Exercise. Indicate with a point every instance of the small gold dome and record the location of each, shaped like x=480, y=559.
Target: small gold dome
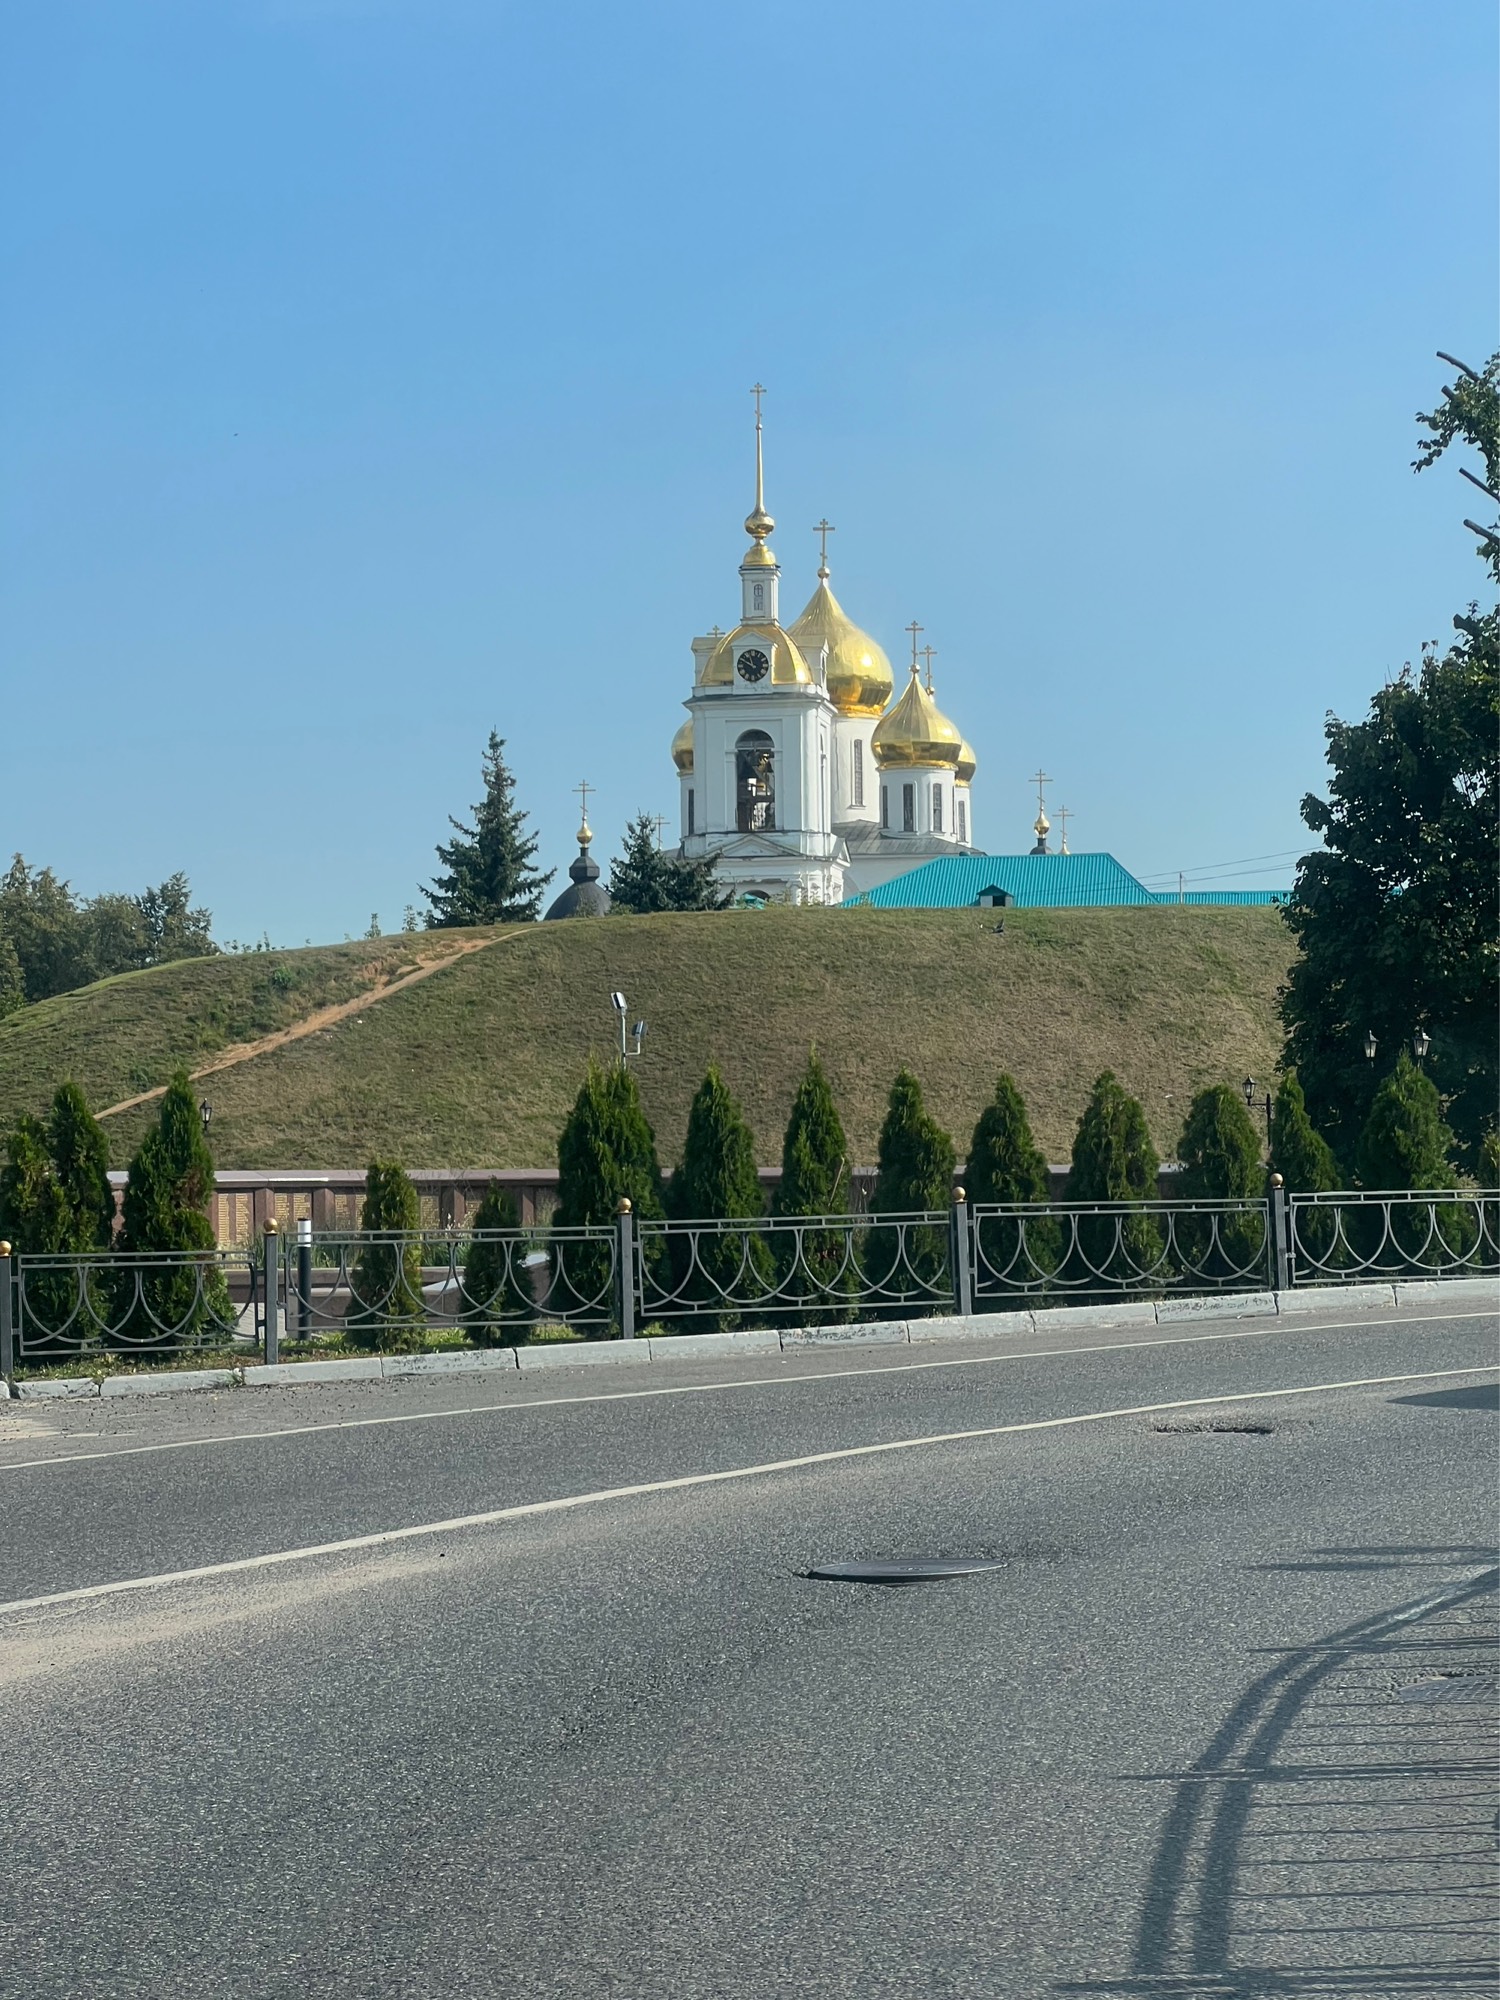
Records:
x=916, y=733
x=682, y=748
x=967, y=763
x=758, y=556
x=859, y=674
x=788, y=668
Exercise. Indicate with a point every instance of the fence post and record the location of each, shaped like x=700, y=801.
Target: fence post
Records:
x=625, y=1281
x=1280, y=1245
x=304, y=1279
x=963, y=1272
x=273, y=1286
x=7, y=1324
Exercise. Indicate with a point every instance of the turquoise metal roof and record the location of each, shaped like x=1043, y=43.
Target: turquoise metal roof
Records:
x=1033, y=882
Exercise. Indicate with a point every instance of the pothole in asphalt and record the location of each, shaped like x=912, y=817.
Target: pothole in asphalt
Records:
x=1453, y=1684
x=1214, y=1426
x=915, y=1570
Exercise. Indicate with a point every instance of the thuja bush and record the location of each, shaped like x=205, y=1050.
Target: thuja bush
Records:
x=498, y=1301
x=1407, y=1147
x=387, y=1306
x=1220, y=1157
x=815, y=1267
x=168, y=1187
x=717, y=1181
x=914, y=1172
x=606, y=1153
x=1113, y=1161
x=1006, y=1165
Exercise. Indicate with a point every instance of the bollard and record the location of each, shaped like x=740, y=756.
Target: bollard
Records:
x=7, y=1323
x=304, y=1278
x=963, y=1267
x=273, y=1281
x=1280, y=1245
x=625, y=1284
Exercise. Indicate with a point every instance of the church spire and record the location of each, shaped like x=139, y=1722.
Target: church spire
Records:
x=758, y=523
x=760, y=573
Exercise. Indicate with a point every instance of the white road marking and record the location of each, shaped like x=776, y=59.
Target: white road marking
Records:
x=705, y=1388
x=388, y=1536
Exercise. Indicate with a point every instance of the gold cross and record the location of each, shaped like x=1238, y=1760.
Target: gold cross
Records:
x=929, y=654
x=757, y=392
x=583, y=791
x=1063, y=816
x=1039, y=780
x=823, y=530
x=914, y=628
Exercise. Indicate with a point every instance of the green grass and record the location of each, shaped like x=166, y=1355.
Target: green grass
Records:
x=477, y=1066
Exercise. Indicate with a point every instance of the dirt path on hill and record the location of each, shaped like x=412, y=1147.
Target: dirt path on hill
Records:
x=321, y=1017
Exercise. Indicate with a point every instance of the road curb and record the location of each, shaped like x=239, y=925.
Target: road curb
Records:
x=697, y=1348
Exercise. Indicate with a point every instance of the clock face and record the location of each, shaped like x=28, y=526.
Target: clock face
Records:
x=753, y=666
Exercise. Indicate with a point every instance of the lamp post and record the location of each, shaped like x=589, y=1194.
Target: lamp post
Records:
x=1248, y=1086
x=1421, y=1042
x=637, y=1031
x=1371, y=1045
x=205, y=1112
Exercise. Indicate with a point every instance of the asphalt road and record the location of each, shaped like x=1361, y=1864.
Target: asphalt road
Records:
x=1221, y=1722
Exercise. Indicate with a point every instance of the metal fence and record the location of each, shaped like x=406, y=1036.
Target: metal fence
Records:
x=354, y=1289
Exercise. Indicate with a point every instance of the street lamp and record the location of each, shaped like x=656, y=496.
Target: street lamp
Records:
x=1370, y=1045
x=205, y=1111
x=1421, y=1042
x=1248, y=1086
x=637, y=1029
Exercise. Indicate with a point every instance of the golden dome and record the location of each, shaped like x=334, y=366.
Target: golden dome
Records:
x=682, y=748
x=859, y=674
x=967, y=763
x=916, y=733
x=788, y=668
x=758, y=556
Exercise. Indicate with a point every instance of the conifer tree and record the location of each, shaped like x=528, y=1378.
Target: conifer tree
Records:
x=1005, y=1164
x=168, y=1187
x=1113, y=1160
x=32, y=1211
x=1405, y=1143
x=606, y=1153
x=644, y=878
x=1301, y=1156
x=490, y=878
x=80, y=1160
x=12, y=979
x=717, y=1181
x=388, y=1273
x=498, y=1303
x=915, y=1162
x=815, y=1264
x=1220, y=1160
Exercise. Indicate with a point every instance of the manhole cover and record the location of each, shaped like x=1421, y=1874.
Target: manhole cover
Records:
x=919, y=1570
x=1215, y=1427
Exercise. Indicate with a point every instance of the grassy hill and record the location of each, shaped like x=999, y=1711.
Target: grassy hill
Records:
x=476, y=1065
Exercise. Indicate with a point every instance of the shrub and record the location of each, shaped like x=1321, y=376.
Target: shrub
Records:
x=606, y=1153
x=387, y=1276
x=915, y=1164
x=815, y=1265
x=717, y=1181
x=1301, y=1156
x=1406, y=1146
x=497, y=1298
x=1006, y=1165
x=1113, y=1160
x=1220, y=1157
x=167, y=1191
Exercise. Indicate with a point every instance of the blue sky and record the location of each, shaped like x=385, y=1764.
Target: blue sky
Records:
x=377, y=374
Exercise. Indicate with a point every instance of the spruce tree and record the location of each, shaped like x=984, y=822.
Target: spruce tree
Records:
x=498, y=1303
x=815, y=1265
x=717, y=1181
x=1219, y=1155
x=644, y=878
x=1301, y=1156
x=606, y=1153
x=387, y=1304
x=168, y=1187
x=1113, y=1160
x=1006, y=1165
x=914, y=1162
x=490, y=878
x=12, y=979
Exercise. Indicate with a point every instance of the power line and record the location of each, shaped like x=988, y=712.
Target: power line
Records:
x=1213, y=867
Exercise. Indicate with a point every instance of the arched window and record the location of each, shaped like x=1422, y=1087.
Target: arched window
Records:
x=859, y=772
x=760, y=597
x=755, y=782
x=937, y=808
x=963, y=824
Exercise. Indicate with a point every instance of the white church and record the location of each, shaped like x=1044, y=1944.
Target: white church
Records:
x=800, y=775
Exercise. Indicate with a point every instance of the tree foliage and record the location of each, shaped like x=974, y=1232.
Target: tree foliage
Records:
x=388, y=1274
x=489, y=876
x=1113, y=1160
x=717, y=1181
x=498, y=1301
x=51, y=941
x=645, y=878
x=814, y=1265
x=1219, y=1152
x=1405, y=1143
x=168, y=1187
x=1006, y=1165
x=1396, y=917
x=606, y=1154
x=914, y=1171
x=1302, y=1157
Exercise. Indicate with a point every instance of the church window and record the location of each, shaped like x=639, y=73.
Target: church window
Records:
x=692, y=825
x=937, y=808
x=908, y=808
x=859, y=771
x=963, y=824
x=885, y=806
x=760, y=597
x=755, y=782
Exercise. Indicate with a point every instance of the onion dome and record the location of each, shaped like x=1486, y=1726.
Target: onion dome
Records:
x=788, y=668
x=585, y=895
x=916, y=734
x=859, y=674
x=967, y=763
x=682, y=748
